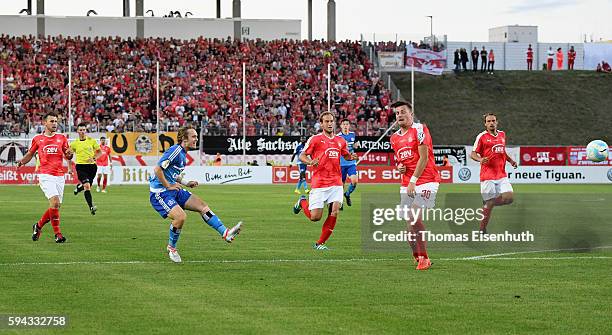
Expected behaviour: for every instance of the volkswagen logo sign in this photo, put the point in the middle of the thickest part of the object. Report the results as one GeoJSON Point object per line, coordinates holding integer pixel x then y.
{"type": "Point", "coordinates": [610, 175]}
{"type": "Point", "coordinates": [465, 174]}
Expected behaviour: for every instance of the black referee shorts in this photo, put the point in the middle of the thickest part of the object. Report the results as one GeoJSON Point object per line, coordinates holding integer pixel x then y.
{"type": "Point", "coordinates": [86, 172]}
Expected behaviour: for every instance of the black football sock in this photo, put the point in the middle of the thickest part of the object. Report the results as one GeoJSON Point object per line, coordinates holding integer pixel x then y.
{"type": "Point", "coordinates": [88, 198]}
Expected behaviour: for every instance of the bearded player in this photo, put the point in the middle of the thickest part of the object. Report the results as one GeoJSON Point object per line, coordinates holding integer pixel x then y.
{"type": "Point", "coordinates": [323, 152]}
{"type": "Point", "coordinates": [490, 151]}
{"type": "Point", "coordinates": [413, 149]}
{"type": "Point", "coordinates": [170, 200]}
{"type": "Point", "coordinates": [52, 149]}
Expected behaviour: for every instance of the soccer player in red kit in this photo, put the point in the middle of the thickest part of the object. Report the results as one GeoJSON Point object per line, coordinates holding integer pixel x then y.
{"type": "Point", "coordinates": [104, 164]}
{"type": "Point", "coordinates": [490, 151]}
{"type": "Point", "coordinates": [323, 152]}
{"type": "Point", "coordinates": [413, 150]}
{"type": "Point", "coordinates": [52, 149]}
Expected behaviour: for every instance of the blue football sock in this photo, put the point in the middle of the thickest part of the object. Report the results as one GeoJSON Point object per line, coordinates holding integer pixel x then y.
{"type": "Point", "coordinates": [299, 184]}
{"type": "Point", "coordinates": [214, 222]}
{"type": "Point", "coordinates": [305, 184]}
{"type": "Point", "coordinates": [173, 236]}
{"type": "Point", "coordinates": [351, 188]}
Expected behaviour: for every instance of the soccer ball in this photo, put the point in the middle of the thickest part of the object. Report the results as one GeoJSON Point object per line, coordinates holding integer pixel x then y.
{"type": "Point", "coordinates": [597, 151]}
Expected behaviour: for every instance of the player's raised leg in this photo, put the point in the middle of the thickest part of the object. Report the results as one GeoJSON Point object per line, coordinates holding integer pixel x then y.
{"type": "Point", "coordinates": [195, 204]}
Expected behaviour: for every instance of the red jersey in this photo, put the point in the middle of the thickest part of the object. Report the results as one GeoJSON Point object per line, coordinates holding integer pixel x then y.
{"type": "Point", "coordinates": [529, 54]}
{"type": "Point", "coordinates": [493, 147]}
{"type": "Point", "coordinates": [103, 159]}
{"type": "Point", "coordinates": [328, 151]}
{"type": "Point", "coordinates": [406, 148]}
{"type": "Point", "coordinates": [51, 151]}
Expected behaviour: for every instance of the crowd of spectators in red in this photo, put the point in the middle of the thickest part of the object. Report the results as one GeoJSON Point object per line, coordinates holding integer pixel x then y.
{"type": "Point", "coordinates": [114, 84]}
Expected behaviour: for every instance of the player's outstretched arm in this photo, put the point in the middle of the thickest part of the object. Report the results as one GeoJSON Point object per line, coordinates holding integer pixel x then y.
{"type": "Point", "coordinates": [511, 161]}
{"type": "Point", "coordinates": [26, 159]}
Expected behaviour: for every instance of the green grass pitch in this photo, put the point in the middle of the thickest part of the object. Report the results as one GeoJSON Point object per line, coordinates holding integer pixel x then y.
{"type": "Point", "coordinates": [113, 275]}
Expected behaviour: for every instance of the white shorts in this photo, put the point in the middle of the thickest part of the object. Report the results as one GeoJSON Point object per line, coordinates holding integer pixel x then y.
{"type": "Point", "coordinates": [425, 196]}
{"type": "Point", "coordinates": [104, 169]}
{"type": "Point", "coordinates": [318, 197]}
{"type": "Point", "coordinates": [491, 189]}
{"type": "Point", "coordinates": [52, 185]}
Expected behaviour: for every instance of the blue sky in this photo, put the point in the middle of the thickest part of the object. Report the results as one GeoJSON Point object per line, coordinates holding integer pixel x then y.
{"type": "Point", "coordinates": [467, 20]}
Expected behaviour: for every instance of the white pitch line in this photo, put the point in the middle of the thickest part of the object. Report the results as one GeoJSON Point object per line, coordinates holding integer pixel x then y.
{"type": "Point", "coordinates": [533, 252]}
{"type": "Point", "coordinates": [272, 261]}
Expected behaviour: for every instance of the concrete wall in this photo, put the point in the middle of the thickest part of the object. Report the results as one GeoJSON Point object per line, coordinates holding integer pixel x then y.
{"type": "Point", "coordinates": [271, 29]}
{"type": "Point", "coordinates": [90, 27]}
{"type": "Point", "coordinates": [513, 56]}
{"type": "Point", "coordinates": [17, 25]}
{"type": "Point", "coordinates": [181, 28]}
{"type": "Point", "coordinates": [188, 28]}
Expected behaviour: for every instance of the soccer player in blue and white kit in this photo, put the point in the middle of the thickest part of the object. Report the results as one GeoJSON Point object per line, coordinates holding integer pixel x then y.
{"type": "Point", "coordinates": [349, 168]}
{"type": "Point", "coordinates": [301, 166]}
{"type": "Point", "coordinates": [169, 199]}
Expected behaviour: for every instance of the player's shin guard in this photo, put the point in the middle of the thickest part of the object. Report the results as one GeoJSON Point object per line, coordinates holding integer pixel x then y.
{"type": "Point", "coordinates": [486, 213]}
{"type": "Point", "coordinates": [305, 184]}
{"type": "Point", "coordinates": [214, 222]}
{"type": "Point", "coordinates": [46, 217]}
{"type": "Point", "coordinates": [104, 182]}
{"type": "Point", "coordinates": [420, 244]}
{"type": "Point", "coordinates": [327, 229]}
{"type": "Point", "coordinates": [88, 198]}
{"type": "Point", "coordinates": [173, 236]}
{"type": "Point", "coordinates": [54, 216]}
{"type": "Point", "coordinates": [304, 205]}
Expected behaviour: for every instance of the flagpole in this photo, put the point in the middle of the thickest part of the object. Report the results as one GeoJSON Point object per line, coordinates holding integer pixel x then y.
{"type": "Point", "coordinates": [329, 87]}
{"type": "Point", "coordinates": [157, 109]}
{"type": "Point", "coordinates": [243, 113]}
{"type": "Point", "coordinates": [1, 89]}
{"type": "Point", "coordinates": [412, 85]}
{"type": "Point", "coordinates": [70, 96]}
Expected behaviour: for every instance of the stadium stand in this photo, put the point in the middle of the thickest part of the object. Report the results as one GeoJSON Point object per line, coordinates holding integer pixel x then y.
{"type": "Point", "coordinates": [113, 84]}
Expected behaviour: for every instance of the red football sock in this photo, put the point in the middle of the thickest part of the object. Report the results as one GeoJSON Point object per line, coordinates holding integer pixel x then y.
{"type": "Point", "coordinates": [420, 245]}
{"type": "Point", "coordinates": [55, 220]}
{"type": "Point", "coordinates": [45, 218]}
{"type": "Point", "coordinates": [304, 204]}
{"type": "Point", "coordinates": [327, 230]}
{"type": "Point", "coordinates": [98, 181]}
{"type": "Point", "coordinates": [104, 183]}
{"type": "Point", "coordinates": [486, 212]}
